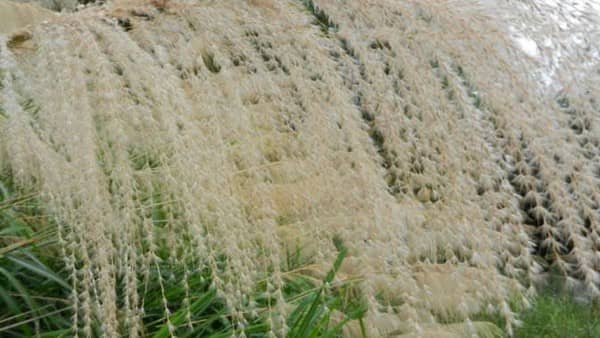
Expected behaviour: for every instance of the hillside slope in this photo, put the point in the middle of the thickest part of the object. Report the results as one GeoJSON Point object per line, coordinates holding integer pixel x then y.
{"type": "Point", "coordinates": [409, 131]}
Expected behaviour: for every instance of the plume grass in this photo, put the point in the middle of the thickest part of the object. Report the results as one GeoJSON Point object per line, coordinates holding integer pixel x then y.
{"type": "Point", "coordinates": [172, 156]}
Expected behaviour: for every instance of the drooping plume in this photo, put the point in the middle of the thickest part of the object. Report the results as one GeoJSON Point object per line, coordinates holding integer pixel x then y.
{"type": "Point", "coordinates": [190, 134]}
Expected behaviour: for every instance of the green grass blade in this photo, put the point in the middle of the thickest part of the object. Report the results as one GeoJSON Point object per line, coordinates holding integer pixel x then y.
{"type": "Point", "coordinates": [179, 317]}
{"type": "Point", "coordinates": [336, 265]}
{"type": "Point", "coordinates": [19, 288]}
{"type": "Point", "coordinates": [39, 269]}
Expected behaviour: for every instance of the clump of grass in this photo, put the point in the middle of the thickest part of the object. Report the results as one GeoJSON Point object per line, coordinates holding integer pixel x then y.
{"type": "Point", "coordinates": [555, 313]}
{"type": "Point", "coordinates": [321, 17]}
{"type": "Point", "coordinates": [210, 62]}
{"type": "Point", "coordinates": [33, 288]}
{"type": "Point", "coordinates": [193, 188]}
{"type": "Point", "coordinates": [205, 313]}
{"type": "Point", "coordinates": [559, 315]}
{"type": "Point", "coordinates": [312, 316]}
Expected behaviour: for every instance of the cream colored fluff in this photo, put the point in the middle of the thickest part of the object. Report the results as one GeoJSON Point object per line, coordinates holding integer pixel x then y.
{"type": "Point", "coordinates": [14, 16]}
{"type": "Point", "coordinates": [259, 130]}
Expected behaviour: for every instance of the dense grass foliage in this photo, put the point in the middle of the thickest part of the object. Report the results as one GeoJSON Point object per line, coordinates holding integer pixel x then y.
{"type": "Point", "coordinates": [558, 316]}
{"type": "Point", "coordinates": [555, 312]}
{"type": "Point", "coordinates": [193, 168]}
{"type": "Point", "coordinates": [558, 312]}
{"type": "Point", "coordinates": [35, 289]}
{"type": "Point", "coordinates": [33, 285]}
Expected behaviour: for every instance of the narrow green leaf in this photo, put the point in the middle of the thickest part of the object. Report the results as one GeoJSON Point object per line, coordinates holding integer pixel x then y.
{"type": "Point", "coordinates": [39, 269]}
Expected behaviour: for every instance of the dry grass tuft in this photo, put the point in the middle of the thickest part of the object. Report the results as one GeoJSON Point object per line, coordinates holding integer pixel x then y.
{"type": "Point", "coordinates": [169, 132]}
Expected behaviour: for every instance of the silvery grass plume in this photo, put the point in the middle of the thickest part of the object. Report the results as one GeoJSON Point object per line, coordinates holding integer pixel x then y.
{"type": "Point", "coordinates": [221, 135]}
